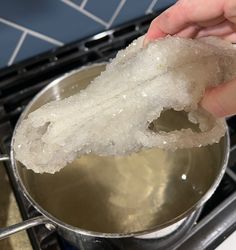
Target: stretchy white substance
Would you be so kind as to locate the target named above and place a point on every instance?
(111, 116)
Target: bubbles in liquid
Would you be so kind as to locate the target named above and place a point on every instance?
(125, 194)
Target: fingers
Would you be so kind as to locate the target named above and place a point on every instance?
(221, 100)
(231, 37)
(225, 30)
(230, 10)
(191, 31)
(222, 29)
(183, 14)
(170, 21)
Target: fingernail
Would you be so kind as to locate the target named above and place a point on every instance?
(145, 41)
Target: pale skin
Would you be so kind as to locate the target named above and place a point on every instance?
(199, 18)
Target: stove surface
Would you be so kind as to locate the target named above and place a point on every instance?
(20, 82)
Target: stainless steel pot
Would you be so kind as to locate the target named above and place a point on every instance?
(204, 176)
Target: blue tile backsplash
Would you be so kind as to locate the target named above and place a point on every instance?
(31, 27)
(104, 10)
(32, 46)
(131, 10)
(8, 41)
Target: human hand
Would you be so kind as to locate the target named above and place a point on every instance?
(199, 18)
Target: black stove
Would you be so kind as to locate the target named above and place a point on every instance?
(20, 82)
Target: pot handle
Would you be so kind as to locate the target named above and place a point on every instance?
(7, 231)
(4, 157)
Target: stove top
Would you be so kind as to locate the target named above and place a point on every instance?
(20, 82)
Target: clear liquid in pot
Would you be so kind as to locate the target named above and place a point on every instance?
(125, 194)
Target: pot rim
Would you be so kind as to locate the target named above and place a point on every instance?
(66, 226)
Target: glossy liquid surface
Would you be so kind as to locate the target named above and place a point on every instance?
(125, 194)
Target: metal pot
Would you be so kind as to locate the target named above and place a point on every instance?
(203, 176)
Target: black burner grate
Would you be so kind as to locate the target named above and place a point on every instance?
(20, 82)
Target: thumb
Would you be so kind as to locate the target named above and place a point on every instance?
(221, 100)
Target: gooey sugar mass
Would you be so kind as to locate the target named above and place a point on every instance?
(115, 111)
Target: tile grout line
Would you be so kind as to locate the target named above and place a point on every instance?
(31, 32)
(17, 48)
(150, 7)
(83, 3)
(116, 13)
(85, 12)
(95, 18)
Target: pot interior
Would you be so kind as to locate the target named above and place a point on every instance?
(123, 194)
